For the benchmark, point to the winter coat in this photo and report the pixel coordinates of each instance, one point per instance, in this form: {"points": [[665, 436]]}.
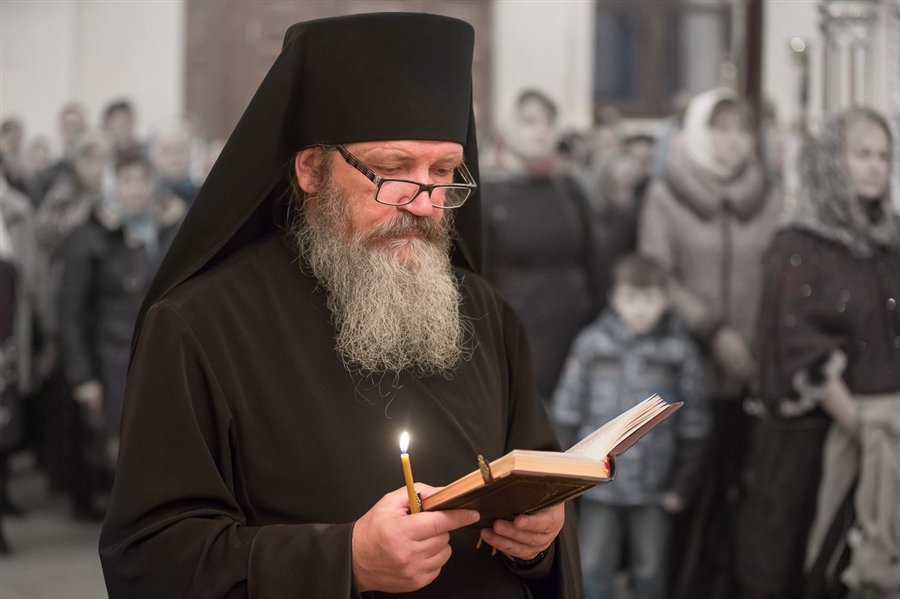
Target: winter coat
{"points": [[105, 276], [712, 233], [610, 370]]}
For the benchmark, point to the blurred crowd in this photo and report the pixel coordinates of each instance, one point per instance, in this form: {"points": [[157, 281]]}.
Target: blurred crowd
{"points": [[673, 262], [83, 231], [667, 261]]}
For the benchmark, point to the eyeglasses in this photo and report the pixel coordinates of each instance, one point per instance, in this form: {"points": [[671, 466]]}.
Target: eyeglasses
{"points": [[400, 192]]}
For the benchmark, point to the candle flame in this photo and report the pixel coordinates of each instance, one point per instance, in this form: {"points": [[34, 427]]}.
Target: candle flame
{"points": [[404, 442]]}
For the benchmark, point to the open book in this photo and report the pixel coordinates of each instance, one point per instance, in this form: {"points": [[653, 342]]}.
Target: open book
{"points": [[524, 482]]}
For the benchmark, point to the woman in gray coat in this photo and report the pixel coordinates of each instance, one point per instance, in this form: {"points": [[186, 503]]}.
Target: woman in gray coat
{"points": [[709, 219]]}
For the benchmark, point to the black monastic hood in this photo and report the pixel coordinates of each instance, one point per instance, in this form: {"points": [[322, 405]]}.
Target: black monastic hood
{"points": [[369, 77]]}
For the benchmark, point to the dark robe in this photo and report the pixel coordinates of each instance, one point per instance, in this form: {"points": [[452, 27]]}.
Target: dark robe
{"points": [[248, 449]]}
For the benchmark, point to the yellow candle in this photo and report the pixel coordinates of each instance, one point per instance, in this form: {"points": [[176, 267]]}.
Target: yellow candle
{"points": [[407, 474]]}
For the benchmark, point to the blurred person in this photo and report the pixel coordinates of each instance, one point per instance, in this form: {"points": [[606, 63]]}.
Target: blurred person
{"points": [[72, 125], [539, 247], [37, 159], [171, 152], [316, 297], [606, 137], [12, 135], [119, 126], [825, 481], [574, 154], [637, 347], [11, 418], [708, 220], [109, 262], [73, 195], [641, 147], [75, 192], [618, 210], [33, 325]]}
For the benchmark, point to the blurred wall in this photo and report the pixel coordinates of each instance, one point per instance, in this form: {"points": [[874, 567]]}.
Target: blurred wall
{"points": [[92, 52], [548, 45]]}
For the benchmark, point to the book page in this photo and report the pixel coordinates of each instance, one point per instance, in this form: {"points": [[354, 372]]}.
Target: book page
{"points": [[598, 444]]}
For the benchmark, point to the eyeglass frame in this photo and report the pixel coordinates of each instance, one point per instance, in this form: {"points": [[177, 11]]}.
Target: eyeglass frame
{"points": [[378, 180]]}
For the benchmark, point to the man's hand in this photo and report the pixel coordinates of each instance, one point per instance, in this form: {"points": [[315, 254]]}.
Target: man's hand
{"points": [[89, 395], [527, 535], [396, 552]]}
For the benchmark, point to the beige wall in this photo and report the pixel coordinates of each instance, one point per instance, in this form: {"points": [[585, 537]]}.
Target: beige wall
{"points": [[547, 45], [53, 52]]}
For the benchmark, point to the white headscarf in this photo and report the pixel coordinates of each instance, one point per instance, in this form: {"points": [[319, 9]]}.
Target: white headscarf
{"points": [[697, 139]]}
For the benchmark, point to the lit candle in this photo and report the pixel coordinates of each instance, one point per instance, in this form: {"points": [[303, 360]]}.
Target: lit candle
{"points": [[407, 474]]}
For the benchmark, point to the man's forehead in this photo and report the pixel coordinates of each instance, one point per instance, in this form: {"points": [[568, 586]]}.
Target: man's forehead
{"points": [[408, 150]]}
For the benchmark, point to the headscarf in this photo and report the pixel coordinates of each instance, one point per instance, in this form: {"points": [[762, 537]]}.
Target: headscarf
{"points": [[826, 203], [368, 77], [697, 138]]}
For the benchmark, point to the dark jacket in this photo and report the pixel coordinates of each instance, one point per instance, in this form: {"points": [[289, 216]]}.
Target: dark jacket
{"points": [[105, 276], [539, 251]]}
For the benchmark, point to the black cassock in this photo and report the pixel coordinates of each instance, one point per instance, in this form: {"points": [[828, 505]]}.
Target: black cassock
{"points": [[248, 449]]}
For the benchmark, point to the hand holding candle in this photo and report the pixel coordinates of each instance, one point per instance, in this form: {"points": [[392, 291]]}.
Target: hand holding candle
{"points": [[407, 474]]}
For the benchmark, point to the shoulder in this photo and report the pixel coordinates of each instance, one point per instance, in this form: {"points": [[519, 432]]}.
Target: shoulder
{"points": [[242, 278], [795, 247]]}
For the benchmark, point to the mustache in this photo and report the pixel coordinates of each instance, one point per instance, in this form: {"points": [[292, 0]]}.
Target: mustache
{"points": [[407, 224]]}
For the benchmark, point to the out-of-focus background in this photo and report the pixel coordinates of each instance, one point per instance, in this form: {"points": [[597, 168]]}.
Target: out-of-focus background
{"points": [[626, 65]]}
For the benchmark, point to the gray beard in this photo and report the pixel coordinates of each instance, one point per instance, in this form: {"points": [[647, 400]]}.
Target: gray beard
{"points": [[390, 314]]}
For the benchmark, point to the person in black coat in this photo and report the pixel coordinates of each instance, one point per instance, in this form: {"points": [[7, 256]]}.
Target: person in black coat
{"points": [[109, 262]]}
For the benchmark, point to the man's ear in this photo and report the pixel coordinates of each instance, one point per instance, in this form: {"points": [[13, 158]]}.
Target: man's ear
{"points": [[306, 167]]}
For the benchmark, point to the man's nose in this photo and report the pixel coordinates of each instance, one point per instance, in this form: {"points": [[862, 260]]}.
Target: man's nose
{"points": [[421, 205]]}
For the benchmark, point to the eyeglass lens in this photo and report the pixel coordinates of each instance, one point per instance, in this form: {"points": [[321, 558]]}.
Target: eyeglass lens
{"points": [[403, 192]]}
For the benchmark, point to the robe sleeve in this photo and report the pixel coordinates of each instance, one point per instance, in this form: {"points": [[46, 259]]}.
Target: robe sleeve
{"points": [[175, 527], [559, 575]]}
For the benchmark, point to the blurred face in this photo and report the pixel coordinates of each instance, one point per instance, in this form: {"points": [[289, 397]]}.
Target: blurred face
{"points": [[89, 167], [71, 126], [172, 154], [11, 139], [642, 151], [607, 141], [730, 139], [535, 134], [37, 157], [867, 154], [624, 180], [120, 128], [134, 189], [639, 308]]}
